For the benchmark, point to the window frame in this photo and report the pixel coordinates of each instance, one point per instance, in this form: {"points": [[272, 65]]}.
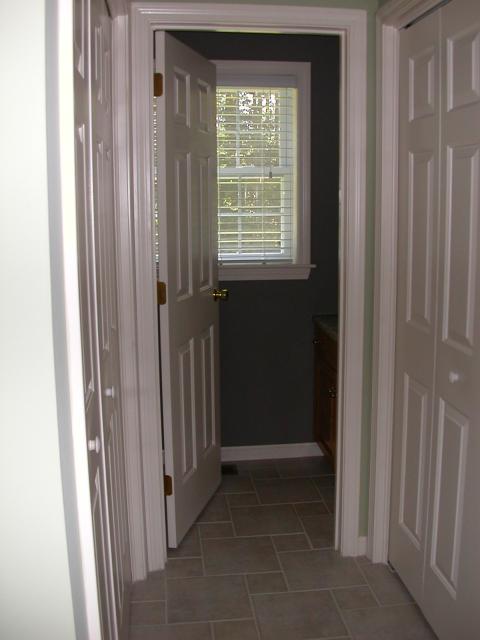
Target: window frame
{"points": [[265, 73]]}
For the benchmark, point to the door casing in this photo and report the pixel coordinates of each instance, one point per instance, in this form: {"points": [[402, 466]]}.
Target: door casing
{"points": [[351, 26], [392, 17]]}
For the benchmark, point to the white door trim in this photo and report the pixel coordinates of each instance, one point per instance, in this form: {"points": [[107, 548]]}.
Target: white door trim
{"points": [[390, 19], [126, 301], [351, 26]]}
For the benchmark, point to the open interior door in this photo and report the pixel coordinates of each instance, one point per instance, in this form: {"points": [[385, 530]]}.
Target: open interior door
{"points": [[187, 232]]}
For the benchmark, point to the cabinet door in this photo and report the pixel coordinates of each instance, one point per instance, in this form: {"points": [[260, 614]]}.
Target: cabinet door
{"points": [[325, 406]]}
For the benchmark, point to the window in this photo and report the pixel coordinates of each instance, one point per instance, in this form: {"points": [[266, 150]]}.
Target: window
{"points": [[263, 152]]}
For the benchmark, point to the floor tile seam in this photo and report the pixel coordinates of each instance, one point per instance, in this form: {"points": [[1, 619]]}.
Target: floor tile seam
{"points": [[259, 573], [147, 601], [229, 509], [249, 537], [314, 484], [277, 554], [213, 521], [319, 590], [255, 491], [132, 601], [233, 493], [166, 599], [273, 544], [173, 624], [303, 527], [302, 477], [340, 613], [273, 504], [207, 621], [367, 581], [331, 637], [330, 511], [252, 606], [232, 574], [202, 554], [400, 604]]}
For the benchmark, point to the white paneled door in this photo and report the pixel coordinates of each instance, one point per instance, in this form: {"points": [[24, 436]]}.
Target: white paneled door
{"points": [[416, 317], [98, 306], [435, 517], [452, 568], [187, 248]]}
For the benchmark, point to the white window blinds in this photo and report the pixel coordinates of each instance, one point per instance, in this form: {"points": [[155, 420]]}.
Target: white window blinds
{"points": [[257, 172]]}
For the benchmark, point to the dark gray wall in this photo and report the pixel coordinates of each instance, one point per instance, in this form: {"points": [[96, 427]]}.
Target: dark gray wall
{"points": [[266, 326]]}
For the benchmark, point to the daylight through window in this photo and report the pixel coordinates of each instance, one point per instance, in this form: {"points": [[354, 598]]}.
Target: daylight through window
{"points": [[263, 154], [257, 168]]}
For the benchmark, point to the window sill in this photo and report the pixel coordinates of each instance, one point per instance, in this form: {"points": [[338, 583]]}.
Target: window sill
{"points": [[264, 272]]}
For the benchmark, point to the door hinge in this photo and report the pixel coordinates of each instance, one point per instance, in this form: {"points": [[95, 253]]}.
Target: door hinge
{"points": [[168, 485], [157, 85], [161, 292]]}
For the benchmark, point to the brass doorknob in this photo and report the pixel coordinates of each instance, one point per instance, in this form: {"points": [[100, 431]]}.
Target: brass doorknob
{"points": [[220, 294]]}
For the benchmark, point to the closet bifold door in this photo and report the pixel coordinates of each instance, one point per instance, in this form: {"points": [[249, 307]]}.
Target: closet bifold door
{"points": [[452, 569], [416, 297]]}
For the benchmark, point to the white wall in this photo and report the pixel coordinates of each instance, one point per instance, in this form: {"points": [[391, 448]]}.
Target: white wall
{"points": [[35, 585]]}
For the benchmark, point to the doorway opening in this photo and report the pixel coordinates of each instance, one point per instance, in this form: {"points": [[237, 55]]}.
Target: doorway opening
{"points": [[266, 328], [351, 27]]}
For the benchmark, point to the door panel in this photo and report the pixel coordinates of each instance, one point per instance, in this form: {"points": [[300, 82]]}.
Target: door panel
{"points": [[89, 326], [207, 350], [452, 574], [416, 303], [101, 560], [188, 264], [460, 260], [96, 251], [447, 515], [105, 260], [435, 517], [419, 240], [413, 471]]}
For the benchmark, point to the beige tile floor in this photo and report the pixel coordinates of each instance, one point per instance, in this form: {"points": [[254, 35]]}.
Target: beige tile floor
{"points": [[259, 564]]}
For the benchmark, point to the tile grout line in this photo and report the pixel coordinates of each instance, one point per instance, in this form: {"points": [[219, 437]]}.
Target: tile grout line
{"points": [[245, 581], [359, 567], [287, 584], [229, 509], [303, 528], [202, 555], [252, 606], [166, 596], [274, 547], [340, 613]]}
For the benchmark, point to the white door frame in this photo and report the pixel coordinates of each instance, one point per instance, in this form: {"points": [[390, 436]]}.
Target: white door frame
{"points": [[392, 17], [351, 25]]}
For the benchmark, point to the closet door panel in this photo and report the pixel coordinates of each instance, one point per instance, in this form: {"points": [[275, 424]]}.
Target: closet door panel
{"points": [[452, 575], [416, 306]]}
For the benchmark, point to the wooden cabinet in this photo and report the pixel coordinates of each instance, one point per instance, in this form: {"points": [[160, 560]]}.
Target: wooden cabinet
{"points": [[325, 386]]}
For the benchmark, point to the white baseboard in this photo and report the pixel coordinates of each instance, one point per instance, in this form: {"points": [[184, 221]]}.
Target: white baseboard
{"points": [[362, 546], [271, 451]]}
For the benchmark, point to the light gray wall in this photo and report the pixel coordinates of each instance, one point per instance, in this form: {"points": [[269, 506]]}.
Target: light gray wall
{"points": [[35, 587]]}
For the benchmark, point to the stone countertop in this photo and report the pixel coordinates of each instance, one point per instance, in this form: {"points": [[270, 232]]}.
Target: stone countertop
{"points": [[329, 324]]}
